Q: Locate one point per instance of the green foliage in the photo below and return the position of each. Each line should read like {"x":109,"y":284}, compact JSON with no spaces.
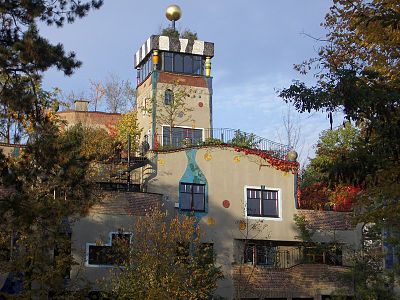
{"x":128,"y":125}
{"x":357,"y":73}
{"x":174,"y":33}
{"x":190,"y":35}
{"x":170,"y":32}
{"x":24,"y":54}
{"x":47,"y":184}
{"x":166,"y":260}
{"x":212,"y":141}
{"x":334,"y":157}
{"x":246,"y":140}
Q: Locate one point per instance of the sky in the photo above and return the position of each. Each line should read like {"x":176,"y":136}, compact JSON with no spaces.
{"x":257,"y":42}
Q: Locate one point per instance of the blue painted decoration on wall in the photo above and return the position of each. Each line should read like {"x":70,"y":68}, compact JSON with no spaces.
{"x":193,"y":174}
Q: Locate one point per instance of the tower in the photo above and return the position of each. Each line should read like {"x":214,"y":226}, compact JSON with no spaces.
{"x":174,"y":88}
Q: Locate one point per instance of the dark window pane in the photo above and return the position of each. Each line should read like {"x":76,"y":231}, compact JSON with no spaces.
{"x":186,"y":201}
{"x":100,"y":255}
{"x":253,"y":207}
{"x":168,"y":61}
{"x":188,"y":64}
{"x":197,"y":65}
{"x":198,"y":202}
{"x":270,"y":208}
{"x":178,"y":63}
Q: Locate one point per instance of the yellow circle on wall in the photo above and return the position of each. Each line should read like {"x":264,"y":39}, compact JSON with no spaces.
{"x":242,"y":225}
{"x":161,"y":162}
{"x":210,"y":221}
{"x":236,"y":159}
{"x":208,"y":156}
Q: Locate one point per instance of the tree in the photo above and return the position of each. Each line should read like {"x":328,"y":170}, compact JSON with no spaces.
{"x":97,"y":93}
{"x":25,"y":55}
{"x":46,"y":185}
{"x":118,"y":93}
{"x":128,"y":125}
{"x":243,"y":139}
{"x":172,"y":107}
{"x":165,"y":260}
{"x":358,"y":74}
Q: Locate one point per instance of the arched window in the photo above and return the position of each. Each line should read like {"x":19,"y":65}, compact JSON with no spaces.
{"x":168,"y":97}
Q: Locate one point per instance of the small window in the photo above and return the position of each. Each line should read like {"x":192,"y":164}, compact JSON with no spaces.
{"x":168,"y":59}
{"x":178,"y":63}
{"x":109,"y":255}
{"x":192,"y":196}
{"x":188,"y":64}
{"x":260,"y":254}
{"x":168,"y":97}
{"x":262,"y":203}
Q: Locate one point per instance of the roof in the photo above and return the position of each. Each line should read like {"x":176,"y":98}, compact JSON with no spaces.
{"x":126,"y":203}
{"x":327,"y":220}
{"x":165,"y":43}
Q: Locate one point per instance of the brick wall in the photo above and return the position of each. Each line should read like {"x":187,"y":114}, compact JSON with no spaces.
{"x":126,"y":203}
{"x":191,"y":80}
{"x":304,"y":280}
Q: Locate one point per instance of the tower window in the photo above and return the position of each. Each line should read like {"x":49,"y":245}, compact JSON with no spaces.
{"x":168,"y":97}
{"x":178,"y":63}
{"x":168,"y":61}
{"x":197,"y":65}
{"x":187,"y":64}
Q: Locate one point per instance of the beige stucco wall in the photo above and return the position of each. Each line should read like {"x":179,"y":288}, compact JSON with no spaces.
{"x":143,"y":103}
{"x":197,"y":117}
{"x":228,"y":173}
{"x":94,"y":227}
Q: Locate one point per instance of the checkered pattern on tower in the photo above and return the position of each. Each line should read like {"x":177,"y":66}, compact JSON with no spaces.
{"x":165,"y":43}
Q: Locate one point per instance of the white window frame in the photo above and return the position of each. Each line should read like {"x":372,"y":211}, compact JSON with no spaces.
{"x":106,"y":244}
{"x":279,"y":218}
{"x":187,"y":127}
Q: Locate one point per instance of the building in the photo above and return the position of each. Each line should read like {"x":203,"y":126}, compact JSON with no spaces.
{"x":241,"y":187}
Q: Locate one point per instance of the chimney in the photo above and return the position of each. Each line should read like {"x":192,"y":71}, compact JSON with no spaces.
{"x":81,"y":105}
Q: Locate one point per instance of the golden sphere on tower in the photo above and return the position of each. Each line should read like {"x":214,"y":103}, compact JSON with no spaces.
{"x":173,"y":12}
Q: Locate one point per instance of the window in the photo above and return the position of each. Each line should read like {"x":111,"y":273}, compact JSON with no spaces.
{"x":260,"y":254}
{"x":181,"y":136}
{"x":168,"y":59}
{"x":262,"y":203}
{"x":192,"y":196}
{"x":182,"y":63}
{"x":323,"y":254}
{"x":187,"y":64}
{"x":109,"y":255}
{"x":168,"y":97}
{"x":197,"y":65}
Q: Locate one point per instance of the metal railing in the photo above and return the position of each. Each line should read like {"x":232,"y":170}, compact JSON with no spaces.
{"x":188,"y":137}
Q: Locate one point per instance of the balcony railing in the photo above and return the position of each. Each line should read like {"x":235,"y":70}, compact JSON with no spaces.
{"x":188,"y":137}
